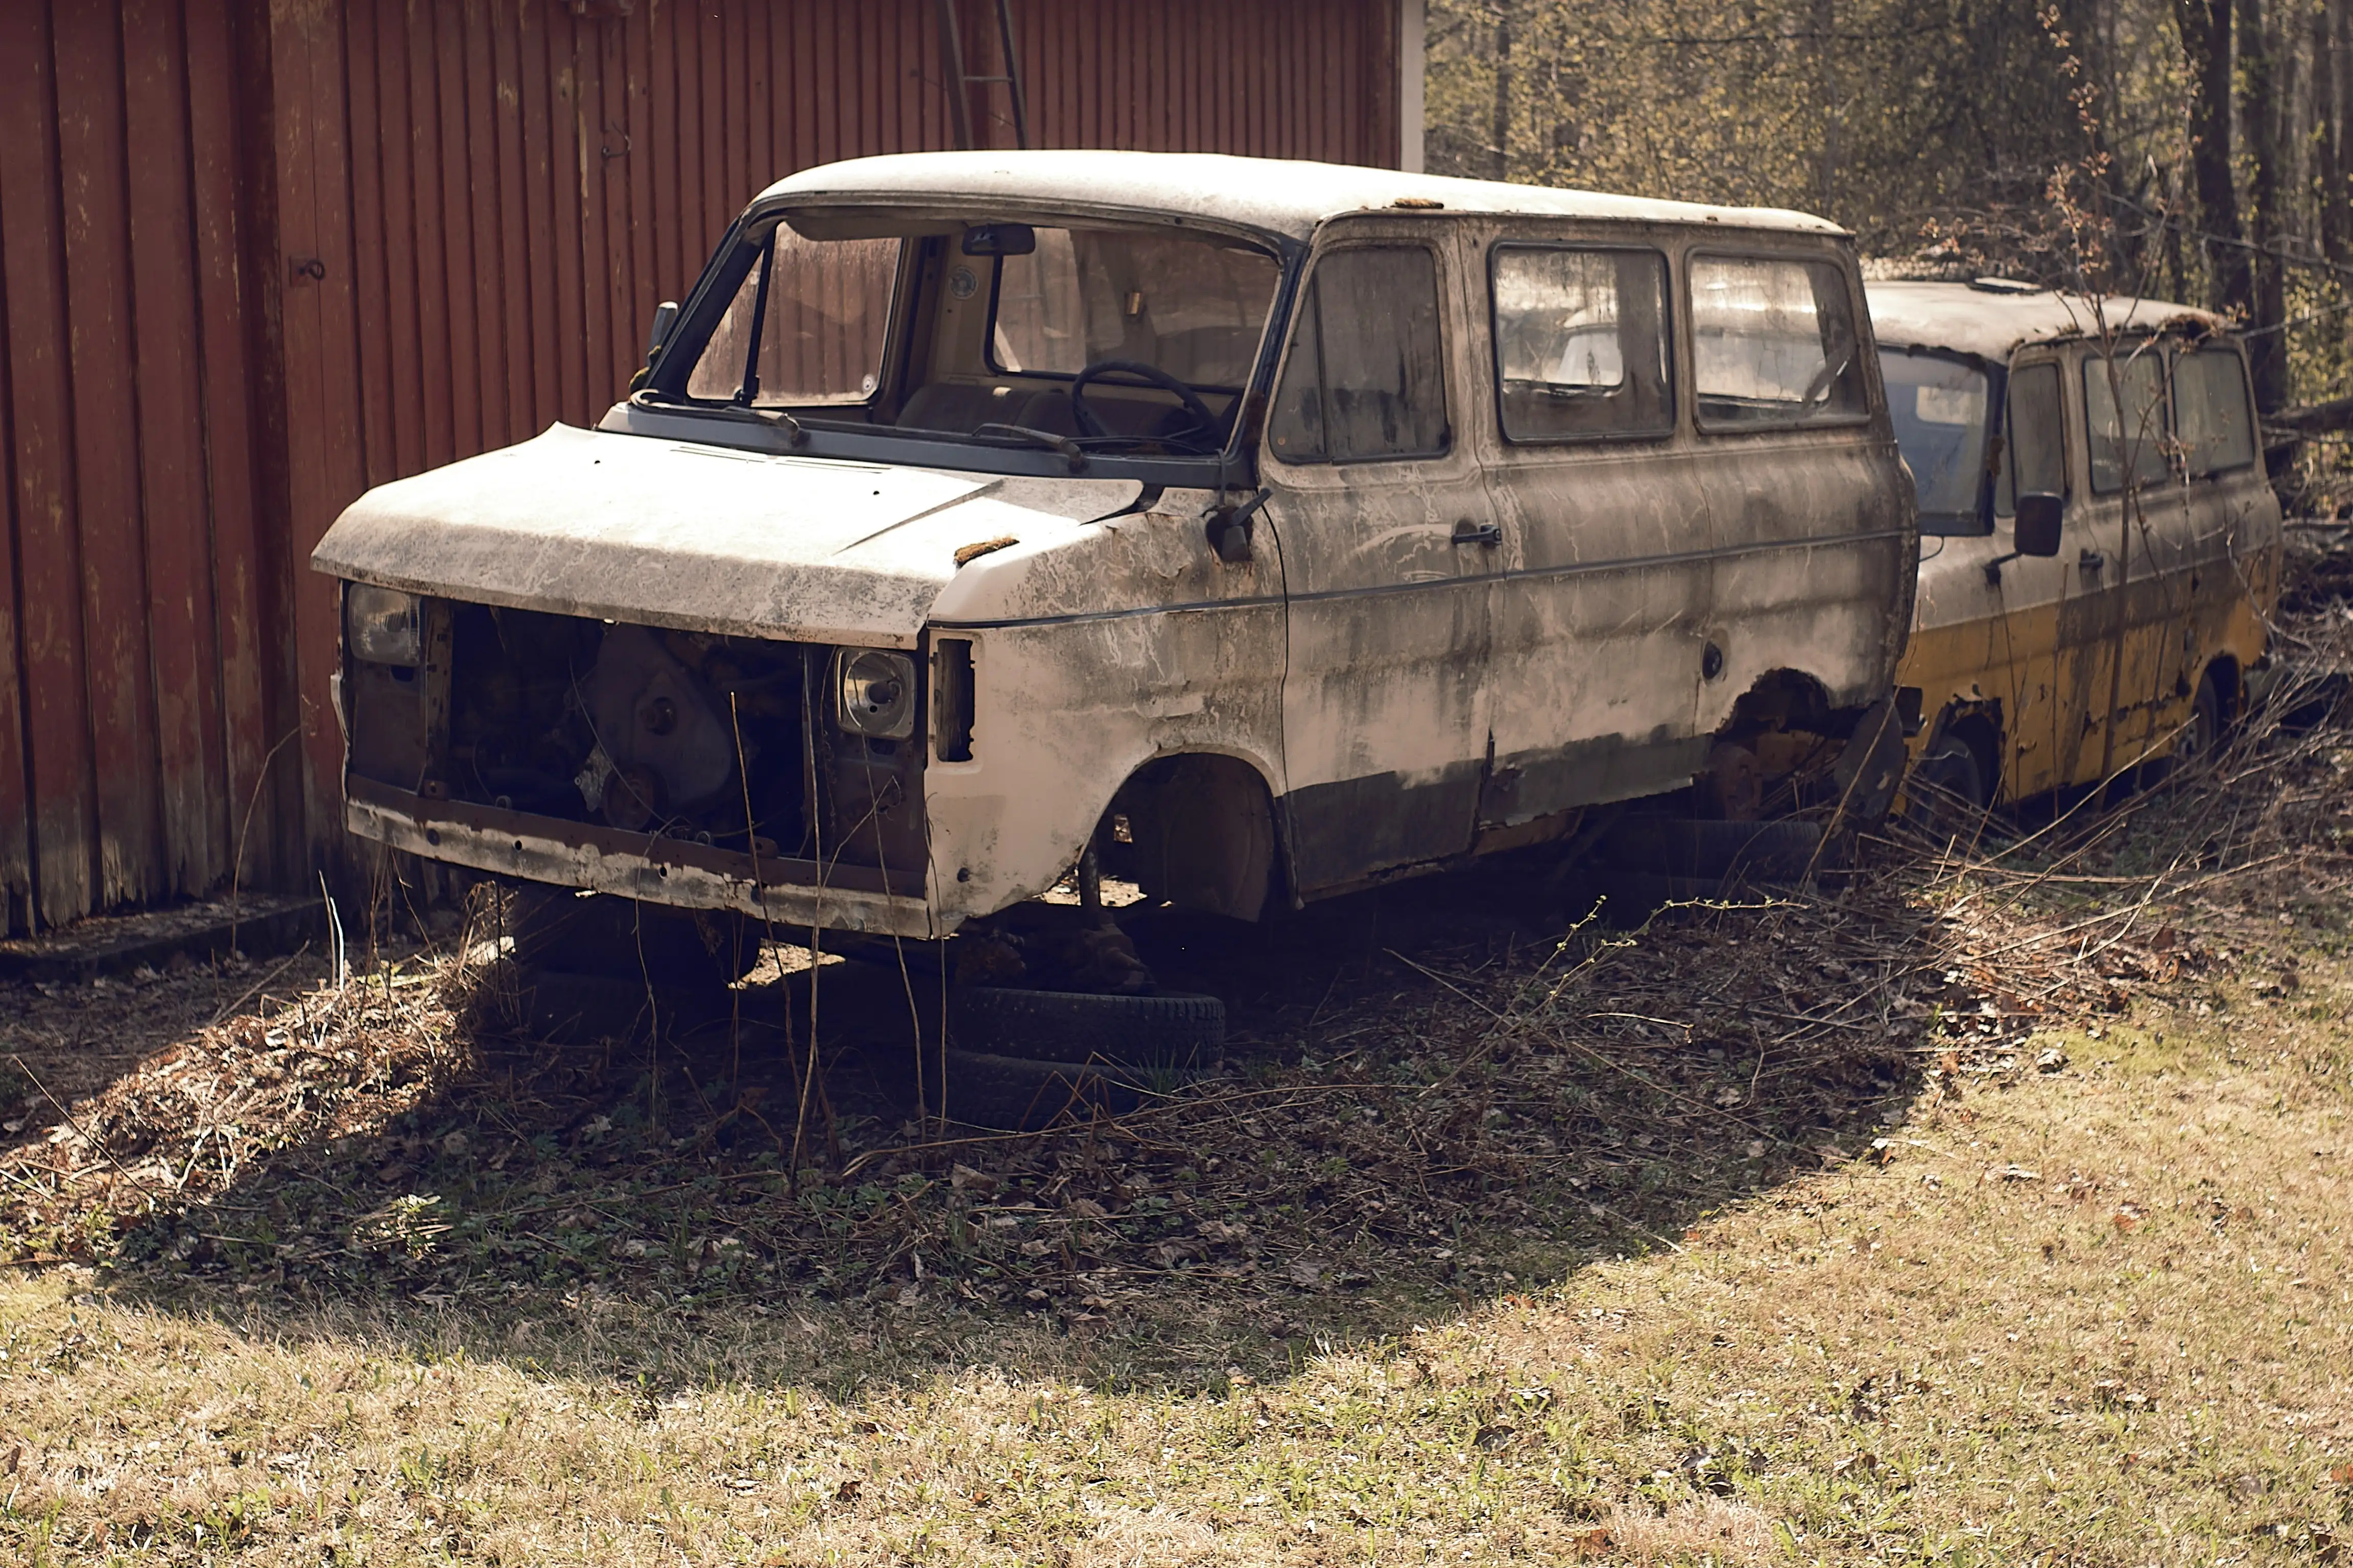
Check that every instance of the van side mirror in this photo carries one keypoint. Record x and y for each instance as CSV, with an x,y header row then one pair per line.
x,y
665,317
2036,530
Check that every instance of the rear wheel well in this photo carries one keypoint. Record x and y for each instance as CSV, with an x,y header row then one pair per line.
x,y
2223,672
1979,727
1782,699
1196,829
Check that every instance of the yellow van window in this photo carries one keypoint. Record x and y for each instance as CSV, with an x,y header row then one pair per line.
x,y
2210,399
2135,443
2038,437
1937,404
1580,342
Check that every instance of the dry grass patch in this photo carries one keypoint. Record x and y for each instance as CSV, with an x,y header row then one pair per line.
x,y
2136,1353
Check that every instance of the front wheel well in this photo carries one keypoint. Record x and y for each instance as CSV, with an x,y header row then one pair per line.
x,y
1196,829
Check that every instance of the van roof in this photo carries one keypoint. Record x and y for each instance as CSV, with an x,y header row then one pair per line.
x,y
1991,320
1276,195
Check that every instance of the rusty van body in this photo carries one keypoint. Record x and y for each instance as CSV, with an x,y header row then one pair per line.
x,y
2131,628
1275,529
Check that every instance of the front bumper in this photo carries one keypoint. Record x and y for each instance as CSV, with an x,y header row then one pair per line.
x,y
788,892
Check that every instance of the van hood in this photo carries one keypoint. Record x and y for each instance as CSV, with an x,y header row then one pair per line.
x,y
702,538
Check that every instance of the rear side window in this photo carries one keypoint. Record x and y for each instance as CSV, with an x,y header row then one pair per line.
x,y
1581,342
1364,376
2210,399
1773,343
2038,439
2134,443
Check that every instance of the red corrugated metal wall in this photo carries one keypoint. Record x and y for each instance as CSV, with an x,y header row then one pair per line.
x,y
412,230
142,682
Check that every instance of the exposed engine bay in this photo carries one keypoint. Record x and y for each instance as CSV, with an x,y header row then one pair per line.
x,y
731,742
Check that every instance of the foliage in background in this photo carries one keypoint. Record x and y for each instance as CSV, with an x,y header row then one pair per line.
x,y
2210,140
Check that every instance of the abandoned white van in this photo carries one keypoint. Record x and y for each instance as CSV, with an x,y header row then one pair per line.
x,y
2102,548
1268,529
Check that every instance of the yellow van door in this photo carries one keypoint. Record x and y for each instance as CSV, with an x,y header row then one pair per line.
x,y
2229,517
2007,622
2111,649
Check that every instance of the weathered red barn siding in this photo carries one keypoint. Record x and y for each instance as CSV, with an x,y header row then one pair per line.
x,y
259,255
143,678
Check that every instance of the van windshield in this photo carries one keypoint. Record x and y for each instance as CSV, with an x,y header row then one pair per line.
x,y
1094,342
1937,403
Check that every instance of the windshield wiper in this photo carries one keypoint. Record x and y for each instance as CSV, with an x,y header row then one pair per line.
x,y
1071,450
796,433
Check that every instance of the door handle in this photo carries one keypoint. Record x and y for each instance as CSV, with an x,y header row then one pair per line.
x,y
1486,535
2092,560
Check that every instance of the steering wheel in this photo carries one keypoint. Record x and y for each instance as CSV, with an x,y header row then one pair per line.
x,y
1203,420
1825,379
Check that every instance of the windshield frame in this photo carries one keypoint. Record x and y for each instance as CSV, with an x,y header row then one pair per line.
x,y
1980,521
658,404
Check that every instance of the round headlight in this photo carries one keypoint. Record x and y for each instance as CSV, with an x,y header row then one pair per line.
x,y
877,693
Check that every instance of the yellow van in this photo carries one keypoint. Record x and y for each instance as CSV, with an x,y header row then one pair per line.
x,y
2098,564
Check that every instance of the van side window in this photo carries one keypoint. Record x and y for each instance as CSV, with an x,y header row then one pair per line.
x,y
2140,437
2209,400
1580,342
2038,439
1773,343
1365,375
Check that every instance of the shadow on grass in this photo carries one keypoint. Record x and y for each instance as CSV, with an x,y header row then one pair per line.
x,y
1433,1097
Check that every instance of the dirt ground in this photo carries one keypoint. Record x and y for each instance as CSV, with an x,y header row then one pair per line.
x,y
1990,1207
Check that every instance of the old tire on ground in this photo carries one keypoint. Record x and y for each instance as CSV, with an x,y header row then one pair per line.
x,y
1945,795
1167,1030
1709,850
1022,1094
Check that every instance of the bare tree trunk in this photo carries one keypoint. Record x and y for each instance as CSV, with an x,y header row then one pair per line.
x,y
2332,103
2177,269
2090,28
1501,130
2259,106
2205,29
1825,20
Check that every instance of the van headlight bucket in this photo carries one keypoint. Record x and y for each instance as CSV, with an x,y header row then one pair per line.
x,y
876,693
380,625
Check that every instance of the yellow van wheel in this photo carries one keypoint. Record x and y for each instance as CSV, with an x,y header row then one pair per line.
x,y
1947,794
2202,735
